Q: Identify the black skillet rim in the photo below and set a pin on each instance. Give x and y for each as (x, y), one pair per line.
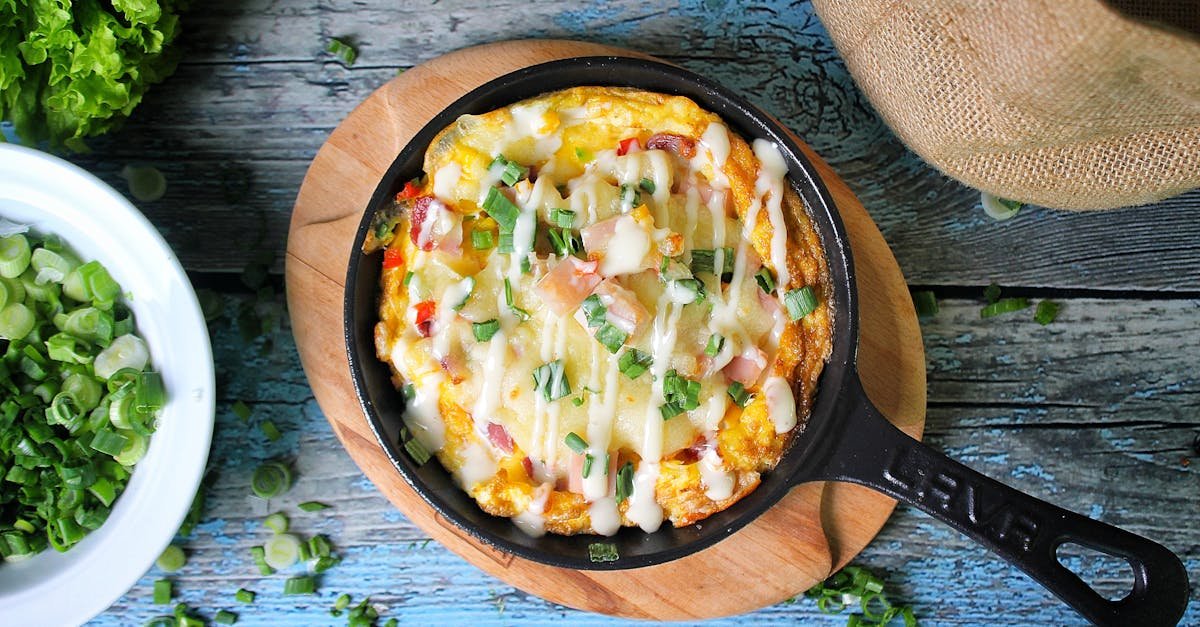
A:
(740, 116)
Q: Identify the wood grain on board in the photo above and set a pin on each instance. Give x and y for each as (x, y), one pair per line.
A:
(814, 529)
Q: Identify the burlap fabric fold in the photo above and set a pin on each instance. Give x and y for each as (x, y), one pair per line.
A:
(1062, 103)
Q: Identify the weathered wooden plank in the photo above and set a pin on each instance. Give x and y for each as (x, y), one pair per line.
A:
(257, 96)
(1127, 472)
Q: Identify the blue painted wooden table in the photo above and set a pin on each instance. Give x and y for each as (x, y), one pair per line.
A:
(1099, 411)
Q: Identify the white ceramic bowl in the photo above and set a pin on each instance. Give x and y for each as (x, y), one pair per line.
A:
(99, 223)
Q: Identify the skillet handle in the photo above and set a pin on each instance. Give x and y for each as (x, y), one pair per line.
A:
(1023, 530)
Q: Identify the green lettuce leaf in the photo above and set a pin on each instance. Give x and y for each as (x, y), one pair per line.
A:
(72, 69)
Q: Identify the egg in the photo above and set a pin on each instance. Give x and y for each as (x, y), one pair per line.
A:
(588, 292)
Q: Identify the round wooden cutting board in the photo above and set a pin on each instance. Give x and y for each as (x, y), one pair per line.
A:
(813, 531)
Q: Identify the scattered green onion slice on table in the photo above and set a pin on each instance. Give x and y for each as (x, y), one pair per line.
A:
(281, 551)
(1046, 313)
(925, 303)
(171, 559)
(342, 50)
(313, 506)
(603, 552)
(269, 430)
(277, 522)
(146, 183)
(162, 592)
(271, 479)
(259, 555)
(244, 596)
(1003, 306)
(300, 585)
(225, 617)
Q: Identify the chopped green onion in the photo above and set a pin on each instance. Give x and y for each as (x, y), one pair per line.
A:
(244, 596)
(269, 429)
(624, 482)
(271, 479)
(300, 585)
(1047, 311)
(583, 155)
(313, 506)
(342, 602)
(342, 50)
(997, 208)
(467, 286)
(704, 260)
(800, 302)
(575, 443)
(146, 183)
(325, 563)
(1003, 306)
(603, 552)
(669, 410)
(162, 592)
(281, 551)
(16, 321)
(277, 522)
(171, 559)
(577, 401)
(50, 266)
(408, 277)
(991, 293)
(417, 451)
(634, 362)
(738, 393)
(109, 442)
(14, 255)
(318, 546)
(259, 555)
(550, 380)
(241, 410)
(715, 344)
(611, 337)
(691, 291)
(225, 617)
(630, 195)
(506, 243)
(681, 394)
(647, 185)
(588, 460)
(594, 310)
(766, 279)
(482, 240)
(563, 218)
(926, 303)
(485, 330)
(502, 210)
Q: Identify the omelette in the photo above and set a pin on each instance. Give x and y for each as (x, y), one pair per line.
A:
(604, 308)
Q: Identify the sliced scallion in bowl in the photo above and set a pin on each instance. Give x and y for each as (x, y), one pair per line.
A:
(77, 402)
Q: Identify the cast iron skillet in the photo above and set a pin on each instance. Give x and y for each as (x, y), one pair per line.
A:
(846, 438)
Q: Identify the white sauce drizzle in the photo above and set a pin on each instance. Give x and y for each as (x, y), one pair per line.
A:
(478, 465)
(601, 416)
(718, 481)
(497, 355)
(533, 520)
(643, 504)
(716, 138)
(423, 417)
(771, 175)
(627, 249)
(606, 520)
(445, 180)
(446, 314)
(781, 404)
(552, 435)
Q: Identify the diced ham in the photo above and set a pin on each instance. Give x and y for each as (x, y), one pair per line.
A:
(624, 310)
(770, 304)
(455, 367)
(527, 463)
(621, 243)
(747, 367)
(575, 472)
(499, 438)
(565, 286)
(683, 146)
(434, 225)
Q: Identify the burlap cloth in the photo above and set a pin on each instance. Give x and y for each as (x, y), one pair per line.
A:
(1060, 103)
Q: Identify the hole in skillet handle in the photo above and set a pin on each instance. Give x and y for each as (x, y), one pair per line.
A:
(1027, 532)
(383, 405)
